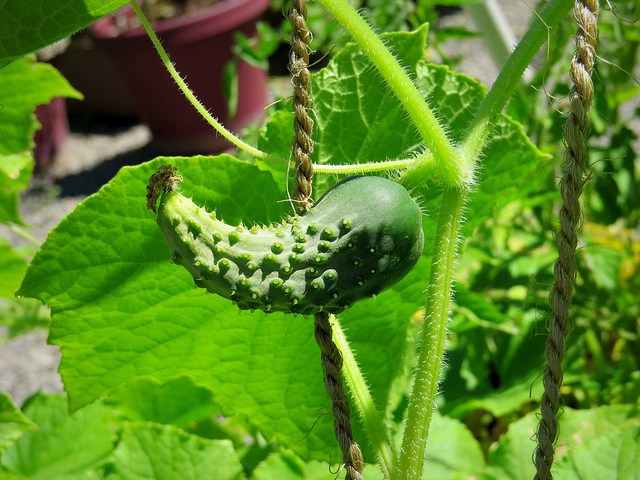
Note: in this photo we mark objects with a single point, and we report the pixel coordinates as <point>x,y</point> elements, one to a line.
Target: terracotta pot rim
<point>213,20</point>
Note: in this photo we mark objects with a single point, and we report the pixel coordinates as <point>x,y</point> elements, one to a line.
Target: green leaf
<point>286,465</point>
<point>452,452</point>
<point>64,447</point>
<point>512,457</point>
<point>164,452</point>
<point>275,138</point>
<point>358,118</point>
<point>119,306</point>
<point>38,23</point>
<point>23,85</point>
<point>178,402</point>
<point>22,315</point>
<point>13,423</point>
<point>616,455</point>
<point>13,266</point>
<point>15,172</point>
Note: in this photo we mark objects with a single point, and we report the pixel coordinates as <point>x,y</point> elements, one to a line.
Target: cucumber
<point>362,236</point>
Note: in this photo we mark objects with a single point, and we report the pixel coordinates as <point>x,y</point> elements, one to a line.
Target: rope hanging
<point>575,134</point>
<point>303,124</point>
<point>302,147</point>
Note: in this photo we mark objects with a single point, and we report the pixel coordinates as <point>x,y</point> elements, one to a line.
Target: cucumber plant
<point>361,237</point>
<point>121,312</point>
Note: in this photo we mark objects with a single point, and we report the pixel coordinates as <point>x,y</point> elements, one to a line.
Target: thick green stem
<point>511,72</point>
<point>363,401</point>
<point>433,335</point>
<point>432,338</point>
<point>454,171</point>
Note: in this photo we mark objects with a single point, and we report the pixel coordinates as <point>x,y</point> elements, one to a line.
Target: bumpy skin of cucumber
<point>361,237</point>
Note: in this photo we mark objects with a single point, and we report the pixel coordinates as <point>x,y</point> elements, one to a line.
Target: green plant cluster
<point>164,381</point>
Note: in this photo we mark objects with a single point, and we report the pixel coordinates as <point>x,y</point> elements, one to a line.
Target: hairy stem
<point>363,401</point>
<point>511,73</point>
<point>370,167</point>
<point>433,334</point>
<point>453,172</point>
<point>432,338</point>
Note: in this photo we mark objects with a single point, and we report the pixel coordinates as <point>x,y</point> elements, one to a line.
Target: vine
<point>452,165</point>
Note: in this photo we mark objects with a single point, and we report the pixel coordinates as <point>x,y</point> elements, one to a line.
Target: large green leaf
<point>119,306</point>
<point>164,452</point>
<point>286,465</point>
<point>359,119</point>
<point>13,423</point>
<point>64,447</point>
<point>31,25</point>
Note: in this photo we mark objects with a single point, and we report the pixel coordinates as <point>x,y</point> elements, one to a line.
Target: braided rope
<point>575,162</point>
<point>331,366</point>
<point>302,147</point>
<point>303,124</point>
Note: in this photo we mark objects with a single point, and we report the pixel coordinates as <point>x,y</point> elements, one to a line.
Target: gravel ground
<point>90,159</point>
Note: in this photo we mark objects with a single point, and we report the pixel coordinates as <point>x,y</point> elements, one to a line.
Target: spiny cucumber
<point>362,236</point>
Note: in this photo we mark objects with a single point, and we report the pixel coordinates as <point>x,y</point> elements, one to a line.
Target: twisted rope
<point>303,124</point>
<point>331,366</point>
<point>301,148</point>
<point>575,162</point>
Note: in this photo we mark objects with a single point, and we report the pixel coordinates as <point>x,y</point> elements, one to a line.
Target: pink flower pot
<point>199,44</point>
<point>52,134</point>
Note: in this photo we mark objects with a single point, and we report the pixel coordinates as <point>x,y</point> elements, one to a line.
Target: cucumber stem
<point>432,338</point>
